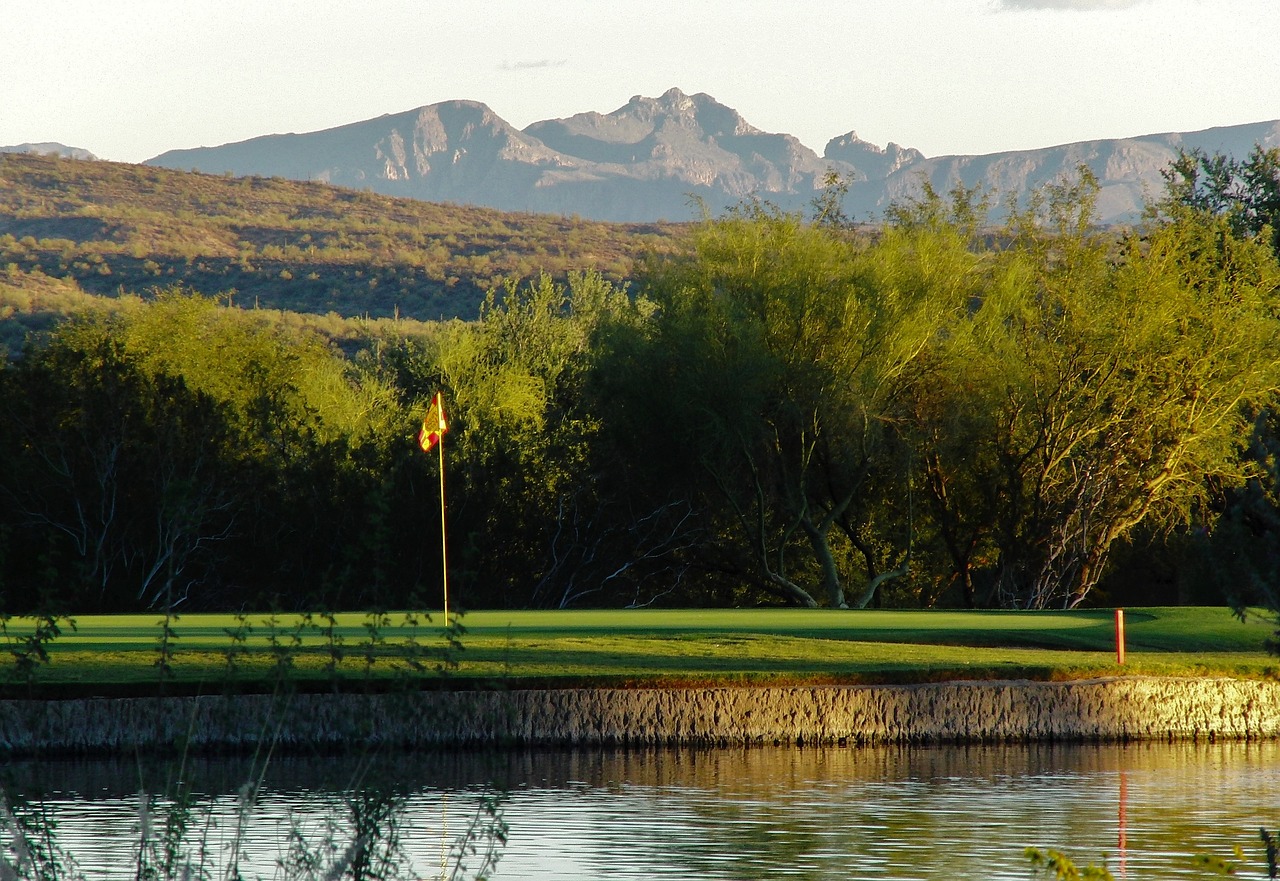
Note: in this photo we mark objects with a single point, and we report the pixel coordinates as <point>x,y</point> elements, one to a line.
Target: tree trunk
<point>789,590</point>
<point>826,560</point>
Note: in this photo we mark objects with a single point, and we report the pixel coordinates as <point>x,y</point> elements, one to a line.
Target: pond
<point>948,812</point>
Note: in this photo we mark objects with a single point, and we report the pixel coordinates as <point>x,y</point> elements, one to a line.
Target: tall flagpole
<point>444,542</point>
<point>432,436</point>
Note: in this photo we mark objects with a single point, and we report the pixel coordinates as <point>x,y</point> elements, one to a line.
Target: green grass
<point>674,647</point>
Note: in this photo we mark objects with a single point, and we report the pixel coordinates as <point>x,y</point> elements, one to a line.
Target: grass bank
<point>125,654</point>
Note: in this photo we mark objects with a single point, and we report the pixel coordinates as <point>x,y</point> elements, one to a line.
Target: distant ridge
<point>51,148</point>
<point>1128,169</point>
<point>650,158</point>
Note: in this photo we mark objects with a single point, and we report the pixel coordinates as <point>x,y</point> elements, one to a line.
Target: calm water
<point>723,814</point>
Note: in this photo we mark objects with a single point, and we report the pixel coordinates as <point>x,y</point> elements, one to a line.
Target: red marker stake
<point>1120,637</point>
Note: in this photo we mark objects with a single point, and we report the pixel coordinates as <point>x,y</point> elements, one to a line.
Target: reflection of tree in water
<point>739,813</point>
<point>913,813</point>
<point>187,824</point>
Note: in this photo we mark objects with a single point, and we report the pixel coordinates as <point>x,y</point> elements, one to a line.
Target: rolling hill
<point>72,229</point>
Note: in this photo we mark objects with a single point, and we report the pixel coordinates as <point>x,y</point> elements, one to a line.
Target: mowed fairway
<point>671,647</point>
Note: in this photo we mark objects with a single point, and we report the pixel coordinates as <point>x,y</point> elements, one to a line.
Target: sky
<point>130,79</point>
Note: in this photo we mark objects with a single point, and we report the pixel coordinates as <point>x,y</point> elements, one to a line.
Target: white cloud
<point>533,65</point>
<point>1067,5</point>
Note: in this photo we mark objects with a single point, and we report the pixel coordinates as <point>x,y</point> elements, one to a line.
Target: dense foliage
<point>953,421</point>
<point>781,411</point>
<point>1246,192</point>
<point>1242,551</point>
<point>186,451</point>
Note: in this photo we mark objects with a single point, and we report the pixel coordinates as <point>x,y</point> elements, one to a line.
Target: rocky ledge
<point>1115,709</point>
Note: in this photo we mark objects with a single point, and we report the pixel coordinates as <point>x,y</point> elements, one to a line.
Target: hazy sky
<point>129,79</point>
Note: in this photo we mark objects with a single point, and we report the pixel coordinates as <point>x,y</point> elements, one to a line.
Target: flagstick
<point>444,542</point>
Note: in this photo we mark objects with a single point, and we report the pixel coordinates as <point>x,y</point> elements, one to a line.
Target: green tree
<point>122,467</point>
<point>1241,551</point>
<point>778,349</point>
<point>522,472</point>
<point>1245,191</point>
<point>1099,384</point>
<point>180,444</point>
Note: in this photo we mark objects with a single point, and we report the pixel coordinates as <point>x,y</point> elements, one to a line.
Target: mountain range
<point>49,148</point>
<point>652,158</point>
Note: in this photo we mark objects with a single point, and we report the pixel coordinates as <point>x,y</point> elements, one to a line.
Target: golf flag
<point>433,425</point>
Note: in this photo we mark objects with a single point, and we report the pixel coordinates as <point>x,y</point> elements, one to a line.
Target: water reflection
<point>955,812</point>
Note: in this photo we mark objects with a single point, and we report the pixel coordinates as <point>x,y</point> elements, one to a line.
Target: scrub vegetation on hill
<point>72,227</point>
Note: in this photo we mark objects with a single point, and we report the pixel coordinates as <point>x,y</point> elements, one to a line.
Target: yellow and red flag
<point>433,424</point>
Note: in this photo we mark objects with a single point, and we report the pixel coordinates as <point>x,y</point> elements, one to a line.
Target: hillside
<point>70,228</point>
<point>647,159</point>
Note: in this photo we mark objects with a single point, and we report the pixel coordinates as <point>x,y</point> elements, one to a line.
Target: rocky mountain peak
<point>644,160</point>
<point>699,111</point>
<point>440,127</point>
<point>871,161</point>
<point>674,101</point>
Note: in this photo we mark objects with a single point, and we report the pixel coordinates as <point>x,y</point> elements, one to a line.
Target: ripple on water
<point>962,812</point>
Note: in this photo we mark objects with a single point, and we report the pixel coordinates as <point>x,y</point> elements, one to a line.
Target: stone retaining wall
<point>956,712</point>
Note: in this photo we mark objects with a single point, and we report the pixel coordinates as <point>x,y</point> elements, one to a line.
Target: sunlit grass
<point>674,647</point>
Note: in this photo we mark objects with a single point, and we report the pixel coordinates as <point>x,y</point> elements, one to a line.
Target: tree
<point>1103,384</point>
<point>179,443</point>
<point>952,401</point>
<point>1245,191</point>
<point>533,519</point>
<point>123,466</point>
<point>777,349</point>
<point>1242,547</point>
